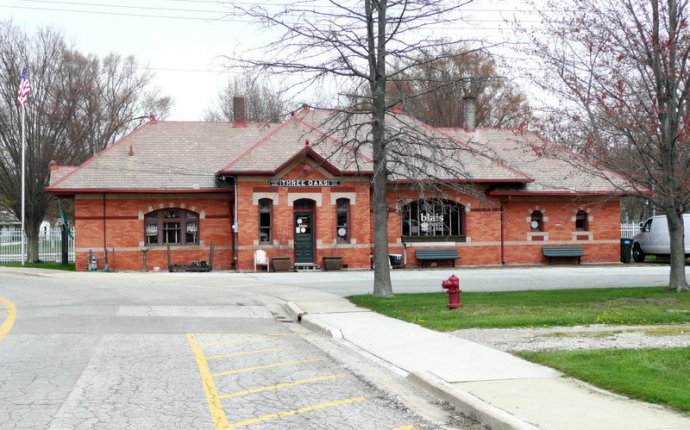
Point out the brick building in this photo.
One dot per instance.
(290, 190)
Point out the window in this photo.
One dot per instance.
(647, 227)
(433, 218)
(537, 221)
(342, 220)
(171, 227)
(265, 220)
(581, 221)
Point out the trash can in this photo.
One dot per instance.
(395, 259)
(626, 250)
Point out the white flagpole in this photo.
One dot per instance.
(23, 187)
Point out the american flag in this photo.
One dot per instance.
(24, 89)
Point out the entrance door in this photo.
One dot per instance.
(304, 236)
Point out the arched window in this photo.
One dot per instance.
(265, 220)
(342, 220)
(433, 219)
(171, 226)
(537, 221)
(581, 221)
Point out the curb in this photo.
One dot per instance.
(312, 323)
(492, 416)
(495, 418)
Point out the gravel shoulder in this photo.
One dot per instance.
(581, 337)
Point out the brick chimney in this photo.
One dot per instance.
(469, 112)
(238, 110)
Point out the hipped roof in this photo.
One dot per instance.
(163, 156)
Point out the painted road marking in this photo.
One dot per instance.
(410, 427)
(220, 422)
(283, 385)
(294, 412)
(7, 324)
(237, 342)
(267, 366)
(237, 354)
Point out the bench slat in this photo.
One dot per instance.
(436, 254)
(563, 251)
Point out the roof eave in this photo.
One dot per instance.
(73, 191)
(618, 193)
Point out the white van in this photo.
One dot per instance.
(653, 238)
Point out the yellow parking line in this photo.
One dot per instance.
(236, 354)
(283, 385)
(410, 427)
(295, 412)
(237, 341)
(267, 366)
(220, 422)
(6, 325)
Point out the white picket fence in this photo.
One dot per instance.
(630, 229)
(49, 247)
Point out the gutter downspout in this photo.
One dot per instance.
(105, 243)
(503, 260)
(235, 226)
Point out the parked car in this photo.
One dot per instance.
(653, 238)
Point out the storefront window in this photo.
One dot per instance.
(171, 227)
(342, 220)
(433, 219)
(265, 220)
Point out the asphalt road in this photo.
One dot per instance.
(111, 351)
(471, 279)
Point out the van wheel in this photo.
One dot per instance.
(638, 255)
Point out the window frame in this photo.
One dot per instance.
(410, 213)
(537, 216)
(262, 210)
(583, 217)
(348, 225)
(164, 223)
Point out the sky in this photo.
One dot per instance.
(183, 42)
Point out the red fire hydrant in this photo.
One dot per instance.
(453, 287)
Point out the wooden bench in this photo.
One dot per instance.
(562, 251)
(425, 255)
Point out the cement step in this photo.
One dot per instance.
(306, 267)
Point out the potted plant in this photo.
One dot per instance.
(332, 261)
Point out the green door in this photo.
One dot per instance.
(304, 237)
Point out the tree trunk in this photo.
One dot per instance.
(377, 81)
(32, 231)
(676, 230)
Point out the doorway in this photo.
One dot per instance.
(304, 231)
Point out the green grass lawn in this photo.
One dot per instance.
(42, 265)
(536, 308)
(653, 375)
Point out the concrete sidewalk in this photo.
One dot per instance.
(499, 389)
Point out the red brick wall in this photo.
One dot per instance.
(483, 229)
(124, 230)
(355, 254)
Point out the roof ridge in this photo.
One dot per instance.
(472, 148)
(329, 137)
(262, 140)
(100, 154)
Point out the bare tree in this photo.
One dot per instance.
(356, 47)
(78, 105)
(621, 86)
(433, 90)
(262, 103)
